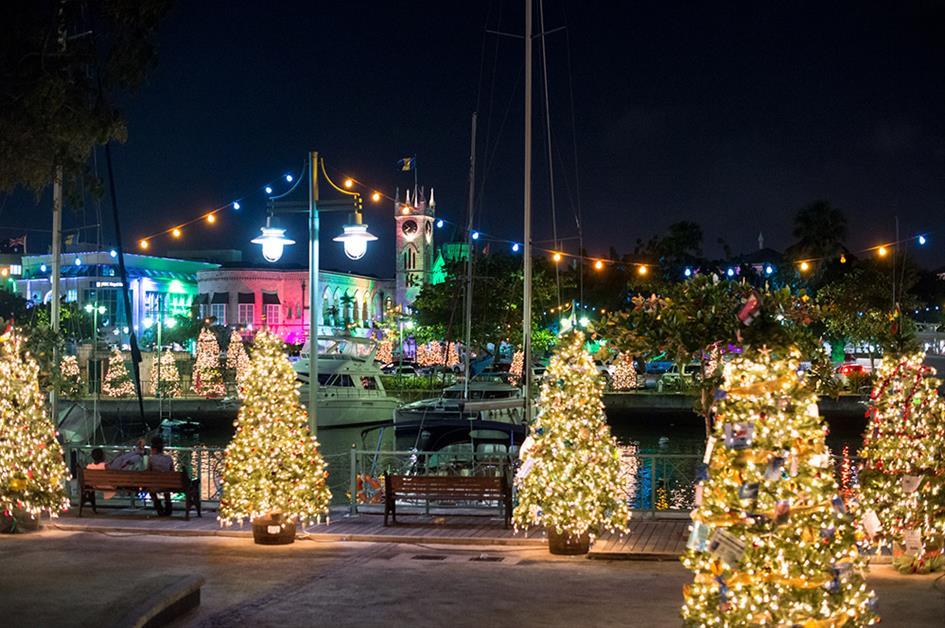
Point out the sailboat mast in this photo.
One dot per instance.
(467, 335)
(527, 244)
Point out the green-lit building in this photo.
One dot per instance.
(156, 284)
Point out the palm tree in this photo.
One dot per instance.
(820, 229)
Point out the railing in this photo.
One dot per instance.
(660, 484)
(204, 464)
(367, 469)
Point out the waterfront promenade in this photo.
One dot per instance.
(59, 577)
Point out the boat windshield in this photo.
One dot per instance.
(479, 394)
(343, 347)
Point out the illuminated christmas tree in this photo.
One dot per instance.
(571, 480)
(208, 381)
(452, 355)
(32, 472)
(237, 360)
(517, 366)
(771, 541)
(385, 352)
(903, 476)
(625, 374)
(273, 463)
(169, 383)
(117, 381)
(71, 381)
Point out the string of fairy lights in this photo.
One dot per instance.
(357, 187)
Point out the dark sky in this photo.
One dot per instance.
(729, 114)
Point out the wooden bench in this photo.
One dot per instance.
(447, 488)
(91, 480)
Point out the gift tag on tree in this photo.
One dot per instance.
(748, 492)
(526, 468)
(775, 466)
(699, 536)
(739, 435)
(910, 483)
(697, 500)
(727, 547)
(912, 540)
(709, 445)
(871, 523)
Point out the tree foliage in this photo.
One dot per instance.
(496, 304)
(54, 54)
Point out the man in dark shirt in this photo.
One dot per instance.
(159, 461)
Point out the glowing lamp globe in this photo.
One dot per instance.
(355, 239)
(273, 241)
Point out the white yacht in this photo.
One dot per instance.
(493, 412)
(350, 392)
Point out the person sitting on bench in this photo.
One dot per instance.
(159, 461)
(98, 462)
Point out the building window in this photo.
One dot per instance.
(218, 311)
(410, 258)
(244, 315)
(72, 295)
(364, 314)
(273, 314)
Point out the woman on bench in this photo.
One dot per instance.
(159, 461)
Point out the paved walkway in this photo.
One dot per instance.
(647, 538)
(57, 578)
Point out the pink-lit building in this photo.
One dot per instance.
(256, 296)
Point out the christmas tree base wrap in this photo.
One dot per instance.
(272, 530)
(19, 521)
(564, 544)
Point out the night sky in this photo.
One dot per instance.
(732, 116)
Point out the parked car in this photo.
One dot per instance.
(400, 369)
(658, 367)
(673, 379)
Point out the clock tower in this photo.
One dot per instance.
(414, 218)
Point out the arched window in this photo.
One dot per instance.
(328, 305)
(410, 258)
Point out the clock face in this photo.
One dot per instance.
(428, 231)
(409, 228)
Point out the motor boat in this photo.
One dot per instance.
(350, 391)
(488, 411)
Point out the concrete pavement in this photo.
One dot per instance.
(59, 578)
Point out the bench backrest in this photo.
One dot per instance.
(481, 487)
(134, 479)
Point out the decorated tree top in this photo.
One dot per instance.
(236, 357)
(32, 471)
(273, 463)
(117, 381)
(208, 380)
(771, 542)
(570, 477)
(907, 417)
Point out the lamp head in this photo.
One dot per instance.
(273, 241)
(355, 238)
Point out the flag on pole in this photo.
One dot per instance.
(15, 245)
(407, 164)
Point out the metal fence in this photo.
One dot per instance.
(660, 484)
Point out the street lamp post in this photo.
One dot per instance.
(273, 241)
(95, 309)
